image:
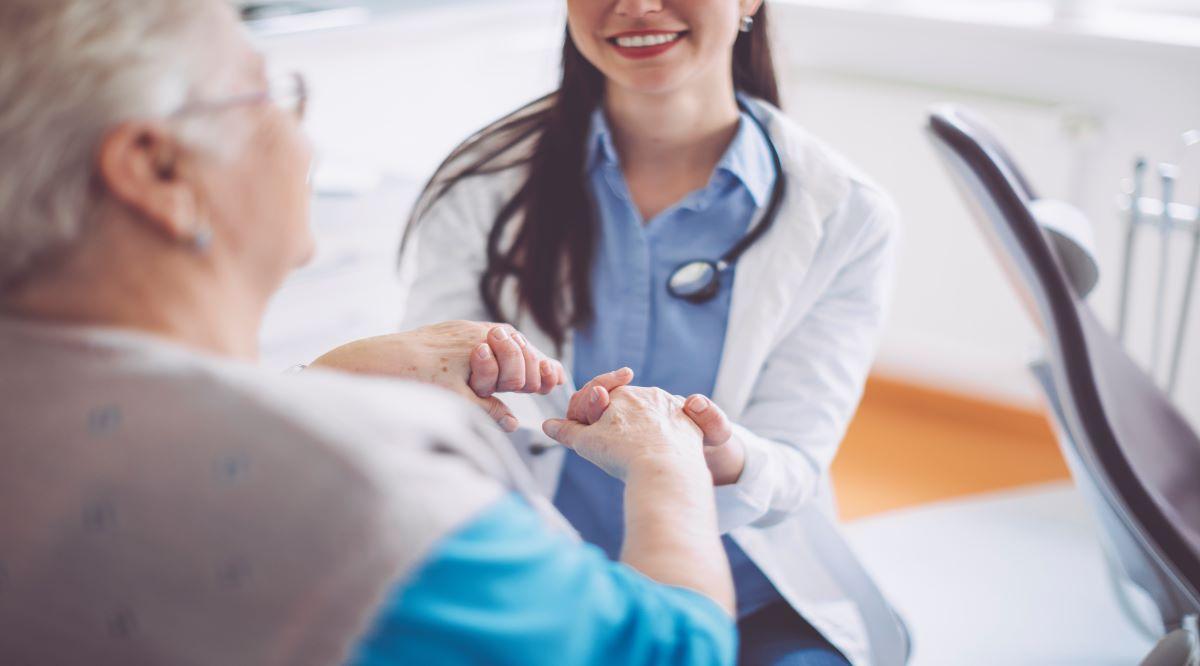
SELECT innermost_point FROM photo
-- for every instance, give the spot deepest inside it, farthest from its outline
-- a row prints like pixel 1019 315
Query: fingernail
pixel 698 405
pixel 625 371
pixel 509 423
pixel 520 340
pixel 483 352
pixel 551 428
pixel 546 369
pixel 595 394
pixel 501 333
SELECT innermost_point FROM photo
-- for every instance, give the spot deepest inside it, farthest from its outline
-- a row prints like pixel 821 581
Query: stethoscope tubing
pixel 757 231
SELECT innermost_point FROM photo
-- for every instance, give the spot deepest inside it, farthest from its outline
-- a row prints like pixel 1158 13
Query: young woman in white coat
pixel 659 213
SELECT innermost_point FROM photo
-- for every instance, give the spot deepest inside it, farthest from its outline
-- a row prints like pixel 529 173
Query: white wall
pixel 401 92
pixel 1075 105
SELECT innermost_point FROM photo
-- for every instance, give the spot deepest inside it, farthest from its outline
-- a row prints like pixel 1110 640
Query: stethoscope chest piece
pixel 697 281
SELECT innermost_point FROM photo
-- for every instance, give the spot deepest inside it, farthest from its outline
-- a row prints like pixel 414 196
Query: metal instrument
pixel 1172 220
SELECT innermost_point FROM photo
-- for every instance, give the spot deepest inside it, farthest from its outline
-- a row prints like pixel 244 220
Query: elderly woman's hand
pixel 475 360
pixel 723 453
pixel 640 425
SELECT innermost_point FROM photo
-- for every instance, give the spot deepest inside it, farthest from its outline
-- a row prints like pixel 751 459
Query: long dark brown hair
pixel 556 241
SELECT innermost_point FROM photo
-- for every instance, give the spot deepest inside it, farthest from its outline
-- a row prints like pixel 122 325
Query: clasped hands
pixel 610 422
pixel 614 424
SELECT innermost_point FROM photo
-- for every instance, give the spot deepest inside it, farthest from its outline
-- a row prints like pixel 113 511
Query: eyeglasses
pixel 287 91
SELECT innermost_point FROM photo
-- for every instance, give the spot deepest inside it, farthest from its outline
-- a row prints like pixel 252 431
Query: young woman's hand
pixel 475 360
pixel 724 454
pixel 642 428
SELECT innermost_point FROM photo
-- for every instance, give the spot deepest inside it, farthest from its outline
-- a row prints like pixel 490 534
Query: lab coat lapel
pixel 767 281
pixel 770 276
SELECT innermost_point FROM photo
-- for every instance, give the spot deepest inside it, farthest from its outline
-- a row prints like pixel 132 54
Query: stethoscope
pixel 699 280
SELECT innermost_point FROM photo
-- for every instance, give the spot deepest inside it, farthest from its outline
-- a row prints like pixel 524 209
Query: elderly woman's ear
pixel 144 169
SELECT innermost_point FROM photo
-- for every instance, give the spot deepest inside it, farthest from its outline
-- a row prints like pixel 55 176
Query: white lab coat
pixel 808 301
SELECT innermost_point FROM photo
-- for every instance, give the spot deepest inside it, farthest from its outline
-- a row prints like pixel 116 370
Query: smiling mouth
pixel 646 40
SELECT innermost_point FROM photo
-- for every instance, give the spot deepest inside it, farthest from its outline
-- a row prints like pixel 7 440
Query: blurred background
pixel 950 480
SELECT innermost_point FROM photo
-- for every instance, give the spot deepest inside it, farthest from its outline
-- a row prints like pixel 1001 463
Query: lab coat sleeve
pixel 445 257
pixel 813 379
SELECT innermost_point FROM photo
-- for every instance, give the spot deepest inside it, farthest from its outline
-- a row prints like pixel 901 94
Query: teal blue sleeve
pixel 507 590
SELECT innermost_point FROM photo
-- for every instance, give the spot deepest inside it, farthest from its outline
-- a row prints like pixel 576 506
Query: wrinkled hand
pixel 639 425
pixel 724 455
pixel 475 360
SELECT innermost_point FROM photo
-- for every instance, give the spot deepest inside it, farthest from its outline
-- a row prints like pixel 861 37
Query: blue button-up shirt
pixel 668 342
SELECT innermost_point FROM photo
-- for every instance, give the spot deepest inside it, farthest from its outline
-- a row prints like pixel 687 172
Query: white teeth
pixel 642 41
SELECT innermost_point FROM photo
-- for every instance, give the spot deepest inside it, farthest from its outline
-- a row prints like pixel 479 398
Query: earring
pixel 203 239
pixel 747 24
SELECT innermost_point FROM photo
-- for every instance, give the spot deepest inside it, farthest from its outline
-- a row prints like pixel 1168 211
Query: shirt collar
pixel 600 147
pixel 748 158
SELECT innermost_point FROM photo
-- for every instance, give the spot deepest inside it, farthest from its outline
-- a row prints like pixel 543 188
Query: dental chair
pixel 1133 457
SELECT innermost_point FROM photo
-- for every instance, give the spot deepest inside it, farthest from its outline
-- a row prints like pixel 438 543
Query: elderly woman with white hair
pixel 162 500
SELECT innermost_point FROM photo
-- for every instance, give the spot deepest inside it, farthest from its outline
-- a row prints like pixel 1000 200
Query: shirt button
pixel 122 624
pixel 232 468
pixel 104 420
pixel 99 517
pixel 234 573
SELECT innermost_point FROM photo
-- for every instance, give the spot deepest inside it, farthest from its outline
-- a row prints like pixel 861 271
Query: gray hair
pixel 69 71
